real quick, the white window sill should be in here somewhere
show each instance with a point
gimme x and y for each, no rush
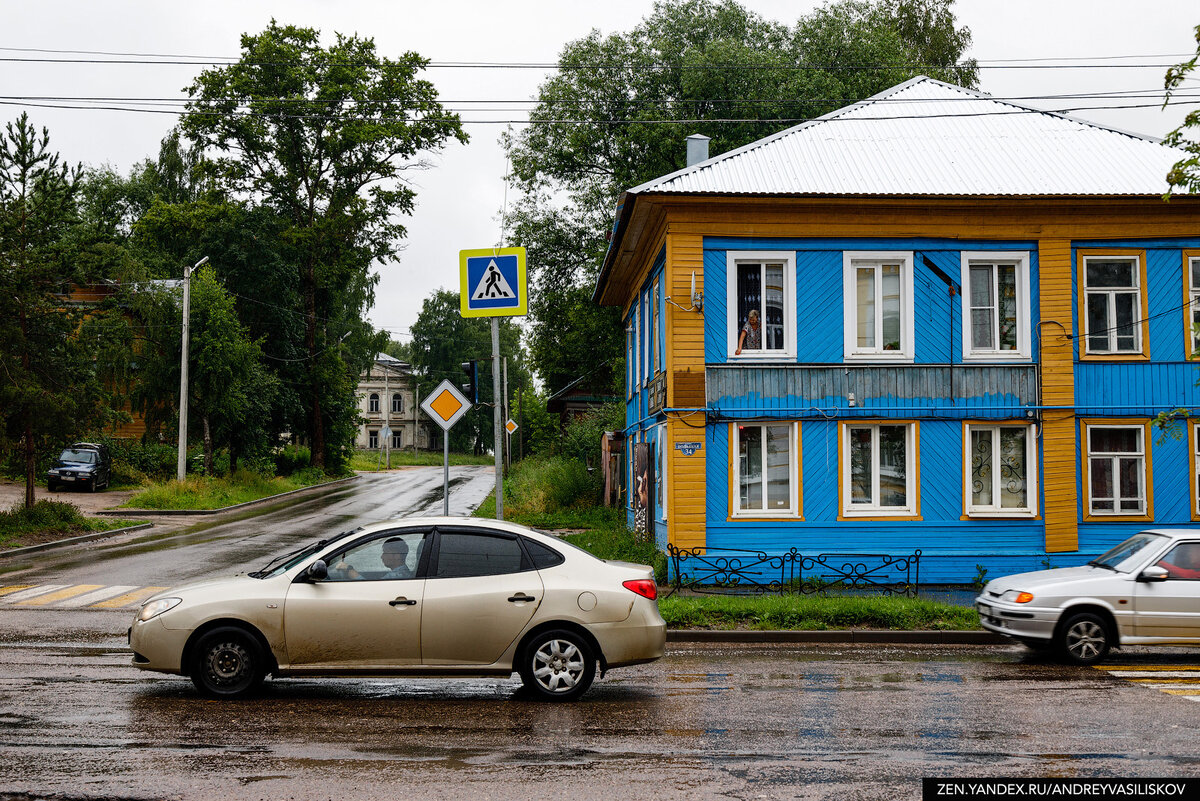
(762, 356)
(883, 511)
(1001, 514)
(996, 356)
(881, 356)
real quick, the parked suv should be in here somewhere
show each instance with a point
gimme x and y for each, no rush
(85, 465)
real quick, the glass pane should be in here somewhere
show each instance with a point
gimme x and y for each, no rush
(1126, 312)
(1097, 321)
(1195, 323)
(981, 286)
(1115, 440)
(1006, 277)
(750, 467)
(981, 468)
(773, 330)
(1131, 484)
(779, 485)
(893, 466)
(891, 306)
(1195, 273)
(861, 485)
(461, 555)
(1110, 273)
(981, 329)
(1013, 470)
(749, 297)
(866, 307)
(1102, 484)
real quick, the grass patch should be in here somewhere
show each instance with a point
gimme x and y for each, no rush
(49, 520)
(374, 461)
(202, 493)
(814, 613)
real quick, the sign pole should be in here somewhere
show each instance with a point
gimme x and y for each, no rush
(498, 431)
(445, 406)
(446, 473)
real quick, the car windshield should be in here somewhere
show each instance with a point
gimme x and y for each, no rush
(1122, 557)
(284, 563)
(85, 457)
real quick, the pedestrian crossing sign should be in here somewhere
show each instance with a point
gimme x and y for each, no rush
(492, 282)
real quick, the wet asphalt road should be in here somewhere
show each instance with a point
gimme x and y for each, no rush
(708, 721)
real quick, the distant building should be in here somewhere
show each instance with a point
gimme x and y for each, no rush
(388, 398)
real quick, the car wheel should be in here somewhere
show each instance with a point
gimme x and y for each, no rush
(1084, 639)
(51, 486)
(557, 665)
(227, 663)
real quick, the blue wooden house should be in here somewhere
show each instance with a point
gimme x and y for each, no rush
(930, 320)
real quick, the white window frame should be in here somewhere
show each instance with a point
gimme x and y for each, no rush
(912, 485)
(373, 439)
(1144, 455)
(661, 477)
(1031, 469)
(398, 439)
(655, 328)
(732, 325)
(647, 369)
(793, 472)
(851, 261)
(397, 403)
(1020, 260)
(373, 403)
(1111, 292)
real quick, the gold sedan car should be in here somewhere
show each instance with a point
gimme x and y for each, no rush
(418, 597)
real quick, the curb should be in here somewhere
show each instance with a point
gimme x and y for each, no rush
(95, 535)
(847, 636)
(126, 512)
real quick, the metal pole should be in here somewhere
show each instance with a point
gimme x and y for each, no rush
(446, 472)
(496, 424)
(387, 418)
(181, 460)
(504, 417)
(520, 419)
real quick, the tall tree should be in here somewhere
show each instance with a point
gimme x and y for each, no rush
(442, 339)
(618, 111)
(48, 391)
(1186, 172)
(322, 135)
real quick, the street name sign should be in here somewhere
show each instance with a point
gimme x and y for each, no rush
(492, 283)
(445, 405)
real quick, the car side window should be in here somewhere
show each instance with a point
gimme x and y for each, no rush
(1182, 561)
(463, 554)
(542, 556)
(391, 556)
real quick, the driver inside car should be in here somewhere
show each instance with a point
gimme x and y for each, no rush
(394, 557)
(1183, 562)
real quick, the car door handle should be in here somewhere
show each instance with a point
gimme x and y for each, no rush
(521, 597)
(402, 602)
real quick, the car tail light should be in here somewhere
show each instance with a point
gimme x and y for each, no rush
(643, 587)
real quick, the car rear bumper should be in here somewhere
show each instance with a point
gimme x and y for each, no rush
(638, 639)
(1018, 621)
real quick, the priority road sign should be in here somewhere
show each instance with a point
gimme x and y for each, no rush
(510, 426)
(445, 405)
(492, 282)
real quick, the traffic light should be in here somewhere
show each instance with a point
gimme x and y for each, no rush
(471, 387)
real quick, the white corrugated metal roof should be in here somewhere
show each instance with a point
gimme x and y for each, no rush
(925, 137)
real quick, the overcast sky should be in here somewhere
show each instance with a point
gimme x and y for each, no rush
(459, 199)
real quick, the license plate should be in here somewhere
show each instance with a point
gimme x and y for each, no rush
(68, 478)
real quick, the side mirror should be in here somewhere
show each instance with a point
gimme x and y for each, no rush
(1153, 573)
(317, 571)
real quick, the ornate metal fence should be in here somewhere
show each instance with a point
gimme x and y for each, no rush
(736, 571)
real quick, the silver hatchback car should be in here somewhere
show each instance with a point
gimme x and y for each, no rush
(1145, 591)
(434, 596)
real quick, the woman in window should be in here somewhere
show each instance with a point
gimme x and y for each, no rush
(751, 336)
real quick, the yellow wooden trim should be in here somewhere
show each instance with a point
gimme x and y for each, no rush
(1143, 296)
(1193, 496)
(1188, 352)
(916, 513)
(1085, 464)
(1056, 353)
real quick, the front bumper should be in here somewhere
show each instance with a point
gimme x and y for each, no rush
(1017, 620)
(157, 647)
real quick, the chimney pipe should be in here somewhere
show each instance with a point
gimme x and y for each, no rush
(697, 149)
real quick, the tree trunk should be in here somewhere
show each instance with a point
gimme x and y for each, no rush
(30, 462)
(208, 447)
(233, 459)
(316, 422)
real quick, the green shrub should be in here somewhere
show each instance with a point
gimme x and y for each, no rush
(292, 458)
(546, 486)
(42, 516)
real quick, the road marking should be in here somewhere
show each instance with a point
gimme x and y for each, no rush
(60, 595)
(75, 596)
(1182, 681)
(102, 594)
(128, 599)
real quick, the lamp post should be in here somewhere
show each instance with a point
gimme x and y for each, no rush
(181, 462)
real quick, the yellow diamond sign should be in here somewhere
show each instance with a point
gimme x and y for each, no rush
(445, 405)
(510, 426)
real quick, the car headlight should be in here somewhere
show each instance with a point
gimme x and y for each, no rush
(157, 607)
(1017, 597)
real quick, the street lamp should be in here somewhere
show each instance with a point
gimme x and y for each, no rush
(181, 462)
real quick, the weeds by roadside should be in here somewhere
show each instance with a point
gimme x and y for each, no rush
(202, 492)
(374, 461)
(48, 520)
(814, 613)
